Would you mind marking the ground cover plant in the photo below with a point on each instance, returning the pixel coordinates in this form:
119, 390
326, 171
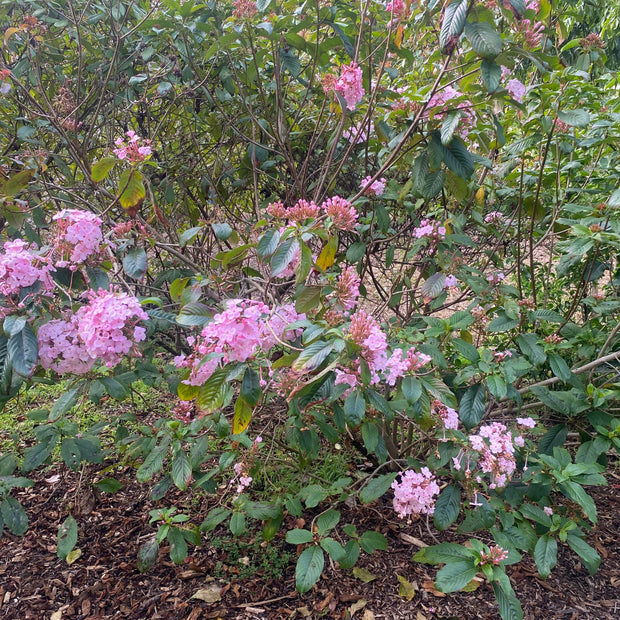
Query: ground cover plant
365, 252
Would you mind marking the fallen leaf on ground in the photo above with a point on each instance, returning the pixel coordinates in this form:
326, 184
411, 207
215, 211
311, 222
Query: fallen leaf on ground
211, 594
357, 606
363, 575
405, 588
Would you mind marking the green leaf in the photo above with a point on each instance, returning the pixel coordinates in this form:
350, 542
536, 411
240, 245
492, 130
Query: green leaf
545, 554
560, 367
553, 438
574, 118
242, 417
376, 488
528, 343
449, 126
214, 518
132, 187
36, 455
352, 553
312, 356
268, 243
472, 405
553, 400
447, 507
67, 537
114, 388
508, 604
250, 387
262, 510
458, 159
283, 256
356, 251
290, 62
455, 576
443, 553
327, 522
14, 516
467, 350
237, 523
433, 285
372, 541
178, 545
193, 314
108, 485
209, 392
433, 184
491, 75
354, 408
309, 568
187, 236
370, 436
484, 39
16, 183
313, 495
23, 351
496, 386
70, 452
589, 557
502, 323
181, 471
222, 230
578, 494
64, 404
452, 24
333, 548
100, 169
147, 555
304, 265
153, 464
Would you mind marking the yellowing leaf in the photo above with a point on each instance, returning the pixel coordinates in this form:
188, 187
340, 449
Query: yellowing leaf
473, 585
328, 254
398, 37
9, 32
243, 415
73, 556
363, 575
357, 606
132, 189
405, 588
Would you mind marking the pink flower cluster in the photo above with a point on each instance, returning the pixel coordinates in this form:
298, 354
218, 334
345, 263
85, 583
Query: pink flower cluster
105, 328
451, 282
358, 134
415, 493
21, 266
496, 453
397, 8
532, 32
131, 150
495, 278
500, 356
376, 188
448, 417
516, 90
242, 477
5, 84
341, 212
238, 333
78, 236
349, 84
346, 290
398, 366
430, 229
494, 556
495, 218
442, 99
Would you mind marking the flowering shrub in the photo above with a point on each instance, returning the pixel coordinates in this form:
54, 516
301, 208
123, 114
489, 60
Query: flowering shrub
416, 317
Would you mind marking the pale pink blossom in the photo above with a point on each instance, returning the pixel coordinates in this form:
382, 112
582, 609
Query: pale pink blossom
415, 493
131, 149
78, 237
21, 266
342, 213
516, 90
349, 85
526, 422
376, 188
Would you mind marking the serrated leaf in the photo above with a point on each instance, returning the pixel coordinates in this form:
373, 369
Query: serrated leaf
433, 285
309, 568
63, 404
452, 24
152, 464
327, 522
135, 263
433, 184
484, 39
108, 485
181, 470
472, 405
214, 518
333, 549
178, 545
23, 349
376, 488
312, 356
508, 604
443, 553
290, 62
528, 343
187, 236
455, 576
458, 159
194, 314
250, 387
132, 188
545, 555
16, 183
574, 118
67, 537
588, 555
491, 75
372, 541
467, 350
354, 408
268, 243
447, 507
449, 126
283, 256
100, 169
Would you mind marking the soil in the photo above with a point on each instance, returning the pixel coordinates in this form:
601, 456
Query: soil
104, 582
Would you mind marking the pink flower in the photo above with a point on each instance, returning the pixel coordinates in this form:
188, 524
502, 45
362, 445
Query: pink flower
346, 289
447, 416
244, 9
450, 282
131, 150
78, 236
61, 349
396, 7
430, 229
22, 267
494, 556
442, 100
349, 85
376, 188
107, 325
495, 218
516, 90
496, 453
415, 493
526, 422
341, 212
548, 511
495, 278
358, 134
302, 211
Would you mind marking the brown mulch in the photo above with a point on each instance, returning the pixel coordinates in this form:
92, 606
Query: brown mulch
104, 582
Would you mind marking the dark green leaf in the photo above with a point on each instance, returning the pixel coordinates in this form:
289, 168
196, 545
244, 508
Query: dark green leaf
147, 555
491, 75
452, 24
376, 488
23, 349
178, 545
181, 471
372, 541
589, 557
268, 243
545, 554
14, 516
67, 537
309, 568
354, 408
528, 343
574, 118
484, 39
455, 576
447, 507
250, 387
